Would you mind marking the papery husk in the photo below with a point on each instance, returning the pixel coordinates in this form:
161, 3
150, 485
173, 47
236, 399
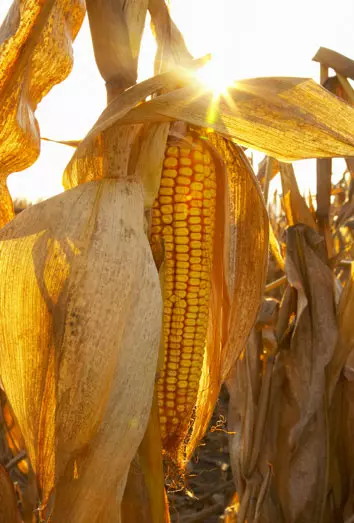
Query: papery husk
238, 276
301, 463
79, 347
36, 53
9, 512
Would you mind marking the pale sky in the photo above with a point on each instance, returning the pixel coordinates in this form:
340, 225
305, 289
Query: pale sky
249, 38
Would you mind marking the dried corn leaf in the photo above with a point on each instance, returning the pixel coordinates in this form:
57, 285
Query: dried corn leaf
295, 206
346, 333
287, 118
8, 504
35, 54
301, 460
71, 344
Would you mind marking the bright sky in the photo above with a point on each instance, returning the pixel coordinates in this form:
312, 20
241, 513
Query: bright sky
249, 38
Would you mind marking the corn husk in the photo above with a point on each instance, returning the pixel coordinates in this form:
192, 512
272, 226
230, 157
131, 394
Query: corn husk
72, 346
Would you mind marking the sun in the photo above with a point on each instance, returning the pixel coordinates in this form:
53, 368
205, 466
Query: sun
216, 77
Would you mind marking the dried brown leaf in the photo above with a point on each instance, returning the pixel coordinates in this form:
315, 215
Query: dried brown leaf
295, 206
8, 504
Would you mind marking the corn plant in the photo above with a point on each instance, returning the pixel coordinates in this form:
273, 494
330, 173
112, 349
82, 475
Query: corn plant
117, 331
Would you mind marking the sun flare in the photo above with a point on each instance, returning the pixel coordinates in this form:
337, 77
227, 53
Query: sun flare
216, 77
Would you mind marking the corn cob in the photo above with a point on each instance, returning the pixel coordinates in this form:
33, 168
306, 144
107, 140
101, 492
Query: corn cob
183, 219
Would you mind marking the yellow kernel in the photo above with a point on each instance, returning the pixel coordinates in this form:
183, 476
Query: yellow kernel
166, 209
197, 203
181, 207
170, 162
182, 257
185, 171
182, 384
207, 203
180, 408
175, 338
182, 180
168, 247
197, 156
165, 199
189, 328
170, 413
192, 301
167, 182
181, 286
197, 195
181, 248
184, 151
156, 229
194, 274
169, 173
185, 362
207, 158
199, 176
189, 335
199, 168
156, 221
188, 343
192, 315
182, 190
194, 219
207, 194
179, 216
185, 161
170, 388
163, 419
174, 353
194, 211
182, 277
181, 303
177, 332
183, 265
181, 270
182, 198
172, 151
196, 186
185, 356
181, 294
206, 212
168, 238
174, 345
181, 240
168, 229
195, 253
195, 244
189, 321
196, 267
193, 308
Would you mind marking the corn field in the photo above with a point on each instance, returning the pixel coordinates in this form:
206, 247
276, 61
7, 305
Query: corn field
168, 275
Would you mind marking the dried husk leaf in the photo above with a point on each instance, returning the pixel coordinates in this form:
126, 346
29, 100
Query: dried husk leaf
31, 63
8, 504
237, 280
71, 344
295, 206
346, 333
171, 47
302, 460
